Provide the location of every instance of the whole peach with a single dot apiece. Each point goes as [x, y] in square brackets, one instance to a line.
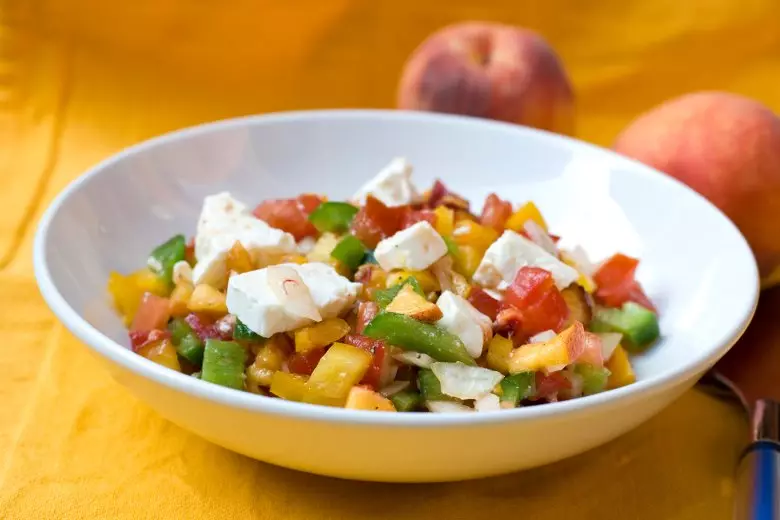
[726, 147]
[489, 70]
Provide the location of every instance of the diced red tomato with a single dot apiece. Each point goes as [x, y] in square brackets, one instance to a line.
[509, 323]
[153, 313]
[591, 352]
[413, 216]
[140, 338]
[375, 221]
[541, 305]
[483, 302]
[377, 371]
[548, 385]
[495, 212]
[291, 215]
[365, 313]
[304, 363]
[616, 284]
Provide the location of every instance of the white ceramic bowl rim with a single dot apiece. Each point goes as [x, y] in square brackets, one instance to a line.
[247, 401]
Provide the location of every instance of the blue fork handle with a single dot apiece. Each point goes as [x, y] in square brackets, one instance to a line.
[758, 482]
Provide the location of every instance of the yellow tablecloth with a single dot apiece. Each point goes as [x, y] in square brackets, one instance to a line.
[81, 79]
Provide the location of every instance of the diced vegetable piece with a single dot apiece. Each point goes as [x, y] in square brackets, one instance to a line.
[146, 281]
[223, 363]
[238, 259]
[517, 387]
[469, 233]
[638, 325]
[188, 345]
[333, 217]
[616, 284]
[609, 342]
[534, 294]
[161, 352]
[406, 400]
[467, 259]
[180, 299]
[495, 212]
[208, 300]
[594, 378]
[409, 303]
[323, 248]
[484, 302]
[498, 353]
[153, 313]
[465, 382]
[487, 403]
[378, 373]
[414, 358]
[288, 386]
[320, 334]
[375, 222]
[243, 333]
[290, 215]
[592, 350]
[141, 338]
[370, 258]
[526, 212]
[360, 398]
[305, 362]
[563, 349]
[126, 293]
[338, 371]
[410, 334]
[549, 385]
[349, 251]
[585, 281]
[445, 221]
[413, 216]
[366, 312]
[579, 303]
[384, 297]
[428, 282]
[269, 359]
[430, 387]
[447, 407]
[163, 257]
[621, 373]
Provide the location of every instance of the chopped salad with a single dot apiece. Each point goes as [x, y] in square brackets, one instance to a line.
[396, 300]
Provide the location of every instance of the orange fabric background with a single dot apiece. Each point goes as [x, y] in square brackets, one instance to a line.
[81, 79]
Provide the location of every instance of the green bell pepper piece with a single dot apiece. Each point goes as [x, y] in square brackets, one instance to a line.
[594, 379]
[223, 363]
[334, 217]
[518, 386]
[410, 334]
[349, 251]
[452, 247]
[638, 325]
[430, 387]
[383, 297]
[188, 344]
[164, 256]
[243, 333]
[369, 258]
[406, 400]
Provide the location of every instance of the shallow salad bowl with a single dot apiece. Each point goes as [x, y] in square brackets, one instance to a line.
[694, 264]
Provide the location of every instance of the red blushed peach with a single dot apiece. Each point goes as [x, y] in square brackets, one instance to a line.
[489, 70]
[727, 148]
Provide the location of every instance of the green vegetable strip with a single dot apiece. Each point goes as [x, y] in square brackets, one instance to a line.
[333, 216]
[410, 334]
[406, 400]
[349, 251]
[517, 387]
[430, 387]
[594, 379]
[638, 325]
[164, 256]
[385, 296]
[452, 247]
[188, 344]
[244, 333]
[223, 363]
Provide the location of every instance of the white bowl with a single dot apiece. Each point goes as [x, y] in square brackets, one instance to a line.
[695, 265]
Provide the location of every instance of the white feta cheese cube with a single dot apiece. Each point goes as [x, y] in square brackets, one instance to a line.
[182, 273]
[461, 318]
[415, 248]
[267, 305]
[392, 185]
[512, 251]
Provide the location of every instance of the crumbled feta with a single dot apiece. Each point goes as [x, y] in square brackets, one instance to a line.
[415, 248]
[392, 185]
[512, 251]
[461, 318]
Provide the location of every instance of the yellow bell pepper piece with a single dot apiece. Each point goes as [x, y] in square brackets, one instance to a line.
[207, 299]
[498, 353]
[161, 352]
[125, 294]
[180, 299]
[338, 371]
[288, 386]
[445, 220]
[468, 259]
[620, 367]
[320, 334]
[238, 259]
[469, 233]
[428, 282]
[147, 281]
[526, 212]
[360, 398]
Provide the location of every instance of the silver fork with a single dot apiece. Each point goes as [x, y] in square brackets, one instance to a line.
[758, 471]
